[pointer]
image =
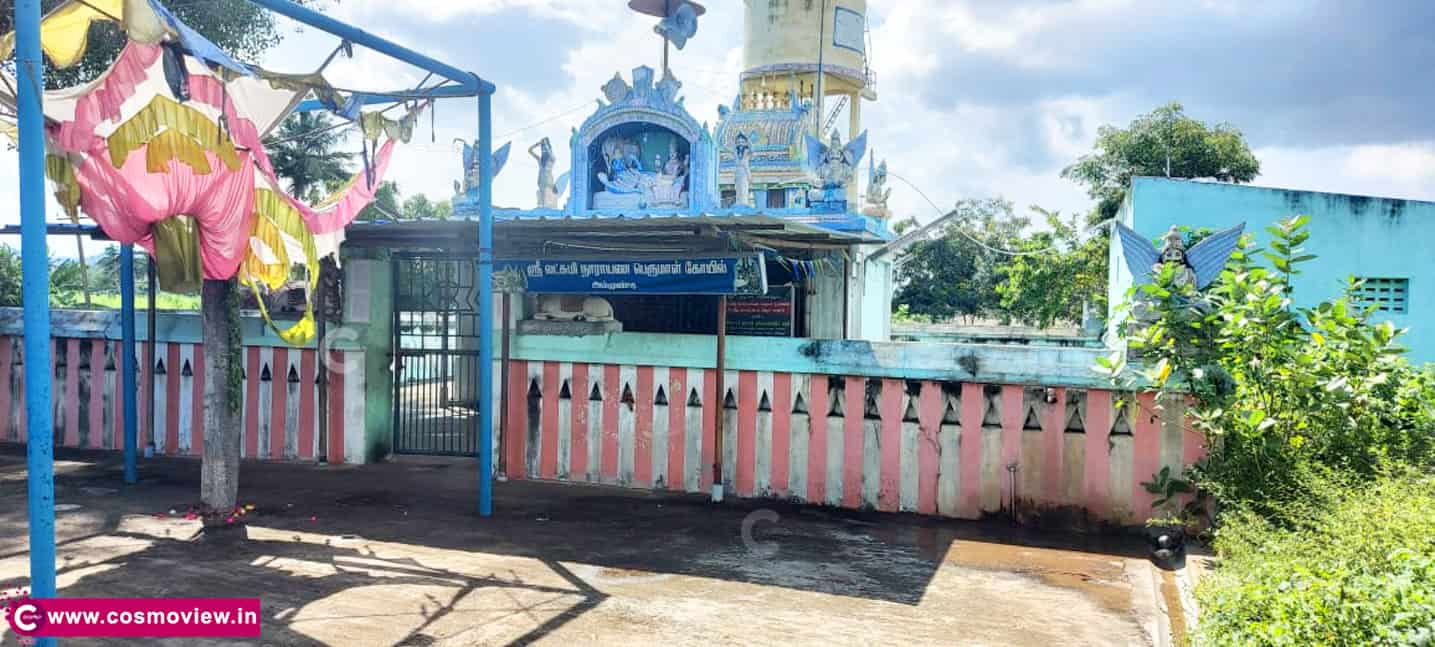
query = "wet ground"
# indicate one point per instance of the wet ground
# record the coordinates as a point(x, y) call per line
point(393, 554)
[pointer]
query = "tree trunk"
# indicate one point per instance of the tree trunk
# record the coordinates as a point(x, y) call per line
point(84, 268)
point(219, 471)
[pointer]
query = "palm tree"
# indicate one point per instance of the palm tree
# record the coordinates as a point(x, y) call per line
point(304, 151)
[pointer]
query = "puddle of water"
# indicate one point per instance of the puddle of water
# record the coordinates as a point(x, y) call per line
point(1172, 594)
point(1102, 576)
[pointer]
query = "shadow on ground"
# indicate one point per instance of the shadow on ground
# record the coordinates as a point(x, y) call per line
point(395, 554)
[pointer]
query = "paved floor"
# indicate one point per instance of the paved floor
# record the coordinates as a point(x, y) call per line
point(391, 554)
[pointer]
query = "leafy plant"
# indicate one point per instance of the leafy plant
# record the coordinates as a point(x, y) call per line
point(1166, 488)
point(1356, 566)
point(1284, 394)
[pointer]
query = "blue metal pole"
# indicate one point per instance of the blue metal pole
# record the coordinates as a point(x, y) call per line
point(35, 286)
point(468, 80)
point(371, 98)
point(128, 369)
point(485, 304)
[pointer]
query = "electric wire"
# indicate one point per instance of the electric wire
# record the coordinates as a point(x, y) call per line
point(968, 236)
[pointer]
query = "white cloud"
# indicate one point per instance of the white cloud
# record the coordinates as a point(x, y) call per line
point(1409, 163)
point(955, 131)
point(584, 13)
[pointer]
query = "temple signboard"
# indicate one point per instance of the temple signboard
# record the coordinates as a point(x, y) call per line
point(737, 274)
point(765, 315)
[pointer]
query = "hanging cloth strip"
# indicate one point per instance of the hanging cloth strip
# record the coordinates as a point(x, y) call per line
point(64, 32)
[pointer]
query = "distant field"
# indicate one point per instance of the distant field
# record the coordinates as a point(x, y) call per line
point(164, 301)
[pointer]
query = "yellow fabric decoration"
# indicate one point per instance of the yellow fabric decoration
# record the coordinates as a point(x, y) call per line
point(375, 124)
point(171, 144)
point(271, 275)
point(67, 189)
point(142, 24)
point(65, 31)
point(177, 260)
point(274, 220)
point(165, 114)
point(303, 330)
point(11, 131)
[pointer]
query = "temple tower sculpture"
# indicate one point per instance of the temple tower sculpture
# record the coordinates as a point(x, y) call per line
point(804, 63)
point(780, 52)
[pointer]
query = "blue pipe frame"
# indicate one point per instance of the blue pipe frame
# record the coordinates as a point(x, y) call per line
point(29, 68)
point(35, 288)
point(464, 84)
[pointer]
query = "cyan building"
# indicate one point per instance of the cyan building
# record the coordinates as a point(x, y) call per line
point(1386, 241)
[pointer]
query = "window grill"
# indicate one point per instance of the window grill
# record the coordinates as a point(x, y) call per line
point(1386, 294)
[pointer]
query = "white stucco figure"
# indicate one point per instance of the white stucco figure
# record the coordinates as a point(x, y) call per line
point(742, 171)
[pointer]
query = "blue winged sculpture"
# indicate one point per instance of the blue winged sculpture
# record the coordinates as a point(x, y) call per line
point(1199, 265)
point(561, 184)
point(680, 25)
point(833, 163)
point(470, 165)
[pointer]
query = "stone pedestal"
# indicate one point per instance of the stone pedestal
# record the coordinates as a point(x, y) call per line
point(568, 328)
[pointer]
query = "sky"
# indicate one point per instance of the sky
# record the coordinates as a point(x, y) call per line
point(975, 99)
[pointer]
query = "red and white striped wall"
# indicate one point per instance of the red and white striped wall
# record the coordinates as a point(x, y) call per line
point(279, 411)
point(921, 446)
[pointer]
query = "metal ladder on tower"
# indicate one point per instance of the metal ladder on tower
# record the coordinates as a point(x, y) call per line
point(832, 116)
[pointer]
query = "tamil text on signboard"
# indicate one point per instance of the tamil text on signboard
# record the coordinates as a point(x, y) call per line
point(768, 315)
point(743, 274)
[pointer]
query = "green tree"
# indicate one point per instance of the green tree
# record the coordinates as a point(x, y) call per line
point(956, 275)
point(1162, 143)
point(419, 207)
point(384, 206)
point(10, 274)
point(305, 151)
point(239, 27)
point(67, 282)
point(1059, 272)
point(900, 227)
point(106, 275)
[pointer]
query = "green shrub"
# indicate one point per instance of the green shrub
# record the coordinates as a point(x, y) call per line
point(1356, 566)
point(1283, 394)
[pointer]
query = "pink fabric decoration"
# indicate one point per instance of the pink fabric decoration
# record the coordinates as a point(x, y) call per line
point(105, 97)
point(125, 202)
point(345, 209)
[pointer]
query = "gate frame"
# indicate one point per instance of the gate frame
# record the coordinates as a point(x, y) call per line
point(458, 258)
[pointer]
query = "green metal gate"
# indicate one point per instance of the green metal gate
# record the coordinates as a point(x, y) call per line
point(436, 354)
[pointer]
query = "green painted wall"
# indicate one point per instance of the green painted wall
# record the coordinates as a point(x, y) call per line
point(992, 364)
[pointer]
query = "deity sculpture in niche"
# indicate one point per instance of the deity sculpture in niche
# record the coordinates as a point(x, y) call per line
point(628, 184)
point(564, 307)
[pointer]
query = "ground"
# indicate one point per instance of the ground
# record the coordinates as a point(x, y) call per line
point(393, 554)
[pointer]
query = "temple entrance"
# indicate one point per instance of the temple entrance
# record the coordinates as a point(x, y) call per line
point(436, 354)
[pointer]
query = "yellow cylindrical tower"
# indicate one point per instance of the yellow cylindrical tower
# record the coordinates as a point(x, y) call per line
point(786, 43)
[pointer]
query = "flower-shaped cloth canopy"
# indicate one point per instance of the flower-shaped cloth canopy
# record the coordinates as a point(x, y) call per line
point(163, 143)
